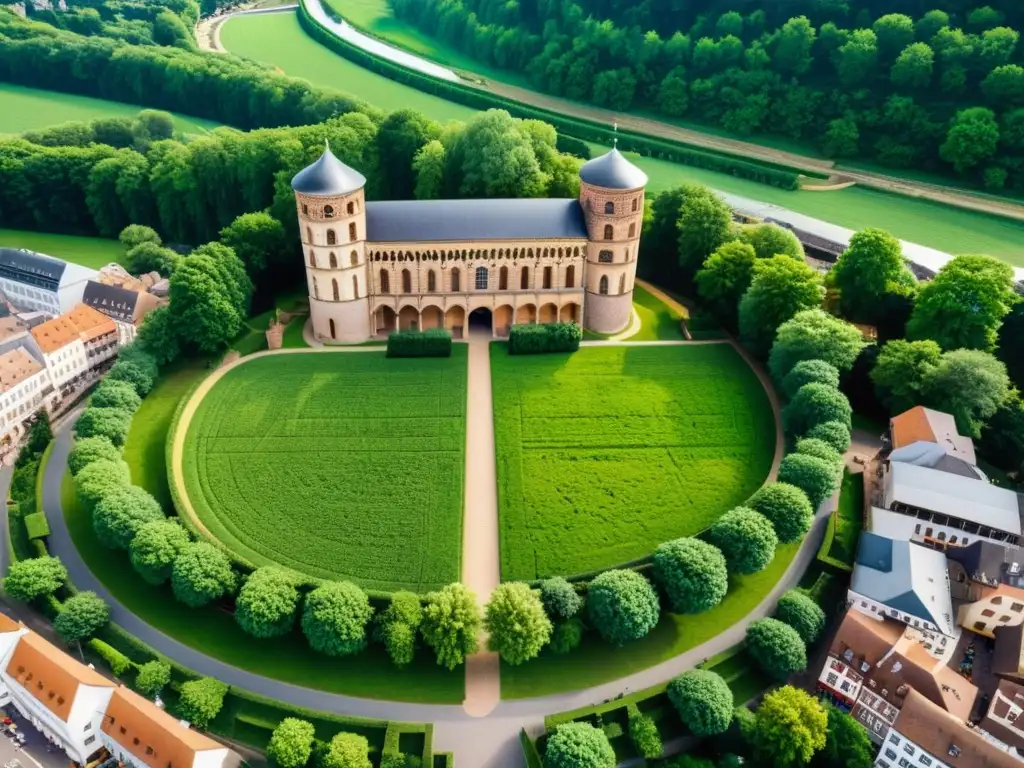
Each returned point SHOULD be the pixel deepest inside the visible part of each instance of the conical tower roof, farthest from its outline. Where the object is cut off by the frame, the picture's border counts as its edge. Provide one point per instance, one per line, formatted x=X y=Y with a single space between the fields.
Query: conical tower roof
x=612 y=171
x=328 y=177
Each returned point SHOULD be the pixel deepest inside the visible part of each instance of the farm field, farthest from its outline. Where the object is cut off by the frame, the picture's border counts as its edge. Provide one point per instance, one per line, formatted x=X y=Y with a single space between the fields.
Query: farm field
x=339 y=466
x=93 y=252
x=278 y=39
x=606 y=453
x=27 y=109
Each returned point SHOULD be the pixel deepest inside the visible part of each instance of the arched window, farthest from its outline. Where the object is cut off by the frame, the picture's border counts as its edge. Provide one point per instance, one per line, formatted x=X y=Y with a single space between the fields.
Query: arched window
x=547 y=278
x=602 y=287
x=334 y=261
x=609 y=207
x=328 y=211
x=636 y=202
x=332 y=238
x=312 y=260
x=354 y=258
x=385 y=283
x=503 y=279
x=608 y=234
x=406 y=281
x=622 y=284
x=305 y=209
x=316 y=289
x=334 y=334
x=309 y=235
x=481 y=278
x=632 y=229
x=334 y=286
x=355 y=287
x=431 y=281
x=524 y=278
x=352 y=232
x=455 y=280
x=351 y=208
x=605 y=257
x=570 y=276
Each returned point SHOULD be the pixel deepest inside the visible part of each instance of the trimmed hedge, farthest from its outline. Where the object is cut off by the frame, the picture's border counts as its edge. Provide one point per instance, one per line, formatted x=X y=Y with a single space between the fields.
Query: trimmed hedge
x=530 y=752
x=119 y=663
x=434 y=342
x=540 y=339
x=572 y=146
x=36 y=525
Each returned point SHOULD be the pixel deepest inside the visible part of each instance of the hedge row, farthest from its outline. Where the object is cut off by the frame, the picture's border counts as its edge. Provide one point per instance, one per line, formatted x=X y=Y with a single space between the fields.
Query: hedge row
x=434 y=342
x=676 y=151
x=543 y=338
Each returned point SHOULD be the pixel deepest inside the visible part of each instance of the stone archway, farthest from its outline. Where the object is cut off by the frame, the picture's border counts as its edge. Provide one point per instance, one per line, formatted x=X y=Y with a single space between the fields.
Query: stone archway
x=455 y=321
x=431 y=317
x=548 y=314
x=503 y=320
x=527 y=313
x=570 y=313
x=481 y=320
x=385 y=321
x=408 y=318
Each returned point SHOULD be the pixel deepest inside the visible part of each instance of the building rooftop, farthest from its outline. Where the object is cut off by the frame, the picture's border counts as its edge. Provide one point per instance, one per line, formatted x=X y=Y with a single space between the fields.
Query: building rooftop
x=612 y=171
x=1004 y=712
x=864 y=641
x=1008 y=657
x=16 y=366
x=15 y=260
x=932 y=455
x=54 y=334
x=989 y=562
x=91 y=323
x=961 y=497
x=920 y=423
x=945 y=736
x=150 y=734
x=12 y=326
x=905 y=576
x=112 y=300
x=327 y=177
x=909 y=663
x=50 y=675
x=407 y=221
x=81 y=322
x=7 y=624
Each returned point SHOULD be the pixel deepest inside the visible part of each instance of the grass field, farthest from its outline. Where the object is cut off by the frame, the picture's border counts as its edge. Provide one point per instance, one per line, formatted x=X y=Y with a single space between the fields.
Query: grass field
x=94 y=252
x=658 y=320
x=26 y=109
x=605 y=453
x=340 y=466
x=214 y=632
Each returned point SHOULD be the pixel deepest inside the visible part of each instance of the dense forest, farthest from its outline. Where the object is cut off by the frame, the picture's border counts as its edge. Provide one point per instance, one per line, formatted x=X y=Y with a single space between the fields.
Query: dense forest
x=934 y=85
x=168 y=22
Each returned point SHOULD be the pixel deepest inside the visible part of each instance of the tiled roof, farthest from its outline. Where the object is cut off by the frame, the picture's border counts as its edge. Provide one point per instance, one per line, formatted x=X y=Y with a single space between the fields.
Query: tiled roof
x=7 y=624
x=91 y=323
x=54 y=334
x=1003 y=719
x=16 y=366
x=932 y=426
x=81 y=322
x=50 y=675
x=328 y=176
x=150 y=734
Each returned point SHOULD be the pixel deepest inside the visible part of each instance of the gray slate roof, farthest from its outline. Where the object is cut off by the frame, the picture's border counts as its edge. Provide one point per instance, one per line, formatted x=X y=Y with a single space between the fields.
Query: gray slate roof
x=612 y=171
x=15 y=262
x=447 y=220
x=327 y=177
x=112 y=300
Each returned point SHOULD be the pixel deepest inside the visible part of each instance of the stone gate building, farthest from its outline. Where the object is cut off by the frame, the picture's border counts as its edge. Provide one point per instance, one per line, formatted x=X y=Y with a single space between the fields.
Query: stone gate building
x=372 y=268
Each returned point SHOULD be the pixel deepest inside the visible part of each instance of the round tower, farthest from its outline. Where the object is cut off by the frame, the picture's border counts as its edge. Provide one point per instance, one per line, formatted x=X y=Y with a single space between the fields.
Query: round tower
x=332 y=223
x=612 y=196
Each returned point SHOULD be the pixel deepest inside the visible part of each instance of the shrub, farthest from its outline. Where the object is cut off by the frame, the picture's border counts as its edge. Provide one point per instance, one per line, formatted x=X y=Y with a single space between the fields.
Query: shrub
x=516 y=622
x=398 y=624
x=566 y=636
x=334 y=618
x=815 y=477
x=347 y=750
x=112 y=393
x=815 y=404
x=405 y=607
x=119 y=663
x=643 y=732
x=201 y=573
x=451 y=621
x=810 y=372
x=578 y=745
x=776 y=647
x=560 y=598
x=622 y=606
x=121 y=512
x=154 y=549
x=111 y=423
x=801 y=613
x=746 y=538
x=835 y=433
x=36 y=525
x=811 y=446
x=693 y=574
x=814 y=334
x=29 y=579
x=400 y=643
x=97 y=479
x=83 y=616
x=291 y=744
x=201 y=700
x=434 y=342
x=90 y=449
x=548 y=337
x=267 y=603
x=703 y=700
x=786 y=507
x=152 y=678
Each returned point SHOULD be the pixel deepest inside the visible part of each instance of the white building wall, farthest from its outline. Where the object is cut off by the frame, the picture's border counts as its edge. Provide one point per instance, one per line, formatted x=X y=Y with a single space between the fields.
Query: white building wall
x=7 y=642
x=20 y=402
x=79 y=735
x=66 y=363
x=900 y=752
x=894 y=525
x=31 y=298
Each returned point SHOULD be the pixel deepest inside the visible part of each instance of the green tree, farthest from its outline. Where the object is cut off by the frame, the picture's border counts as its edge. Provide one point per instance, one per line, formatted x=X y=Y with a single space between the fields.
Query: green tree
x=692 y=573
x=560 y=598
x=230 y=271
x=494 y=157
x=746 y=538
x=969 y=384
x=1004 y=86
x=801 y=613
x=834 y=433
x=770 y=240
x=900 y=371
x=841 y=137
x=154 y=549
x=869 y=271
x=335 y=617
x=83 y=615
x=405 y=608
x=347 y=750
x=96 y=480
x=857 y=58
x=201 y=573
x=964 y=306
x=168 y=29
x=814 y=404
x=792 y=46
x=401 y=135
x=160 y=335
x=809 y=446
x=809 y=372
x=428 y=166
x=111 y=423
x=894 y=31
x=400 y=642
x=38 y=576
x=115 y=394
x=704 y=225
x=150 y=256
x=133 y=373
x=928 y=25
x=291 y=743
x=200 y=302
x=121 y=512
x=776 y=647
x=643 y=732
x=847 y=744
x=786 y=507
x=566 y=636
x=703 y=700
x=267 y=603
x=789 y=727
x=622 y=605
x=135 y=234
x=813 y=334
x=913 y=69
x=259 y=240
x=578 y=745
x=152 y=678
x=674 y=93
x=90 y=449
x=972 y=139
x=516 y=622
x=725 y=277
x=451 y=621
x=39 y=434
x=781 y=287
x=201 y=701
x=814 y=476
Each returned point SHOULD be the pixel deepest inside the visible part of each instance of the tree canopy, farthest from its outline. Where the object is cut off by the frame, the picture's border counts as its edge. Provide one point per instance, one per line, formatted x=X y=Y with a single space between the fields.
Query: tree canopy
x=800 y=612
x=776 y=647
x=120 y=514
x=335 y=617
x=83 y=615
x=789 y=727
x=813 y=334
x=154 y=549
x=516 y=622
x=578 y=745
x=560 y=598
x=35 y=577
x=692 y=573
x=622 y=605
x=703 y=700
x=200 y=574
x=267 y=603
x=746 y=538
x=201 y=700
x=291 y=743
x=786 y=507
x=451 y=620
x=781 y=287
